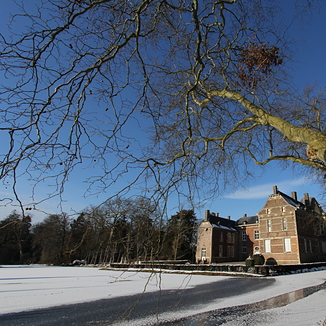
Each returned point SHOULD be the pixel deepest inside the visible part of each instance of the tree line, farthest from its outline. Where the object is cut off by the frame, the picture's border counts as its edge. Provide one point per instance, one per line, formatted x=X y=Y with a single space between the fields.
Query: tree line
x=120 y=230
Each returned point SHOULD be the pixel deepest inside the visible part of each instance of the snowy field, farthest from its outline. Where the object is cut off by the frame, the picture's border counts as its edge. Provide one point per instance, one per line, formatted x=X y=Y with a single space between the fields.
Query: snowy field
x=28 y=287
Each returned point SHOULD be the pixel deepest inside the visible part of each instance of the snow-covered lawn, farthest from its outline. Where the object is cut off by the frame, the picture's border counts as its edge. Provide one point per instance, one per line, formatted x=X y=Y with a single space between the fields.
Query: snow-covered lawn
x=29 y=287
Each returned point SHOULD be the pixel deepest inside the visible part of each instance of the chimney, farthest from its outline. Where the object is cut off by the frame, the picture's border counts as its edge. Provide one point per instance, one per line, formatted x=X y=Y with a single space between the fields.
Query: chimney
x=294 y=195
x=216 y=214
x=206 y=215
x=275 y=191
x=306 y=201
x=229 y=217
x=244 y=215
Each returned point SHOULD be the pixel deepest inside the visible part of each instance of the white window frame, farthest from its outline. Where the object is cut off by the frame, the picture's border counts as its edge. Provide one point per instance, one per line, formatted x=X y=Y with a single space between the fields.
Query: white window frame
x=287 y=245
x=203 y=253
x=284 y=224
x=267 y=245
x=256 y=234
x=269 y=225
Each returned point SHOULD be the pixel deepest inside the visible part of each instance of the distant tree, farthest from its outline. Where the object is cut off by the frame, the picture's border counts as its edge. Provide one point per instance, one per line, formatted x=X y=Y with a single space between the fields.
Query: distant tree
x=81 y=237
x=181 y=235
x=121 y=229
x=15 y=239
x=51 y=239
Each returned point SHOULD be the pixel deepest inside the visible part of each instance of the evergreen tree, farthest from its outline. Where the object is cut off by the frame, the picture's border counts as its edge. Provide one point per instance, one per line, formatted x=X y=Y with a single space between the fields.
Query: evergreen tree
x=50 y=239
x=181 y=236
x=15 y=239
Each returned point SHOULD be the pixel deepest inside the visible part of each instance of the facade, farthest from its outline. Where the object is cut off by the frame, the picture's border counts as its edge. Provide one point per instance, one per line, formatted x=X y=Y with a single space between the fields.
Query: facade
x=285 y=231
x=218 y=238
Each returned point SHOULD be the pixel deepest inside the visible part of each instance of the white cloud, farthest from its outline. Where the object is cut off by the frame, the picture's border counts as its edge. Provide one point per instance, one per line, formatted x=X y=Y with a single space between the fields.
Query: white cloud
x=264 y=190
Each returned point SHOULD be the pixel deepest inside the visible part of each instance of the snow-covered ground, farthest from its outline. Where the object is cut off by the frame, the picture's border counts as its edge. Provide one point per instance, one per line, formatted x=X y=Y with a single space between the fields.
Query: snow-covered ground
x=29 y=287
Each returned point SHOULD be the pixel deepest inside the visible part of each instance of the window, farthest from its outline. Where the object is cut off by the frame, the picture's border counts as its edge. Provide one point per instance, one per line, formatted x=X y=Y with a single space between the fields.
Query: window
x=256 y=234
x=305 y=245
x=268 y=246
x=283 y=209
x=230 y=237
x=284 y=226
x=268 y=210
x=220 y=250
x=203 y=253
x=310 y=246
x=244 y=235
x=287 y=245
x=244 y=249
x=323 y=246
x=230 y=251
x=269 y=225
x=221 y=237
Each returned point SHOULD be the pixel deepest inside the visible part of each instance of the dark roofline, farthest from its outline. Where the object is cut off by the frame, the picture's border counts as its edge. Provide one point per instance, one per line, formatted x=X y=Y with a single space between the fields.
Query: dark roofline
x=247 y=220
x=308 y=203
x=218 y=220
x=292 y=200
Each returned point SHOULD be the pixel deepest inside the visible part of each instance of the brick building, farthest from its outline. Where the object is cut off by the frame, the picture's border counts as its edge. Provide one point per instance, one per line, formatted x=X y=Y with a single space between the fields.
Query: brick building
x=285 y=231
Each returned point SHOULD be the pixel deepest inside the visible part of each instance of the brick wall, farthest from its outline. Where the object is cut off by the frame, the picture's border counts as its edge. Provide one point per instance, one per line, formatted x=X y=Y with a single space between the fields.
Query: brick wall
x=247 y=243
x=277 y=229
x=204 y=240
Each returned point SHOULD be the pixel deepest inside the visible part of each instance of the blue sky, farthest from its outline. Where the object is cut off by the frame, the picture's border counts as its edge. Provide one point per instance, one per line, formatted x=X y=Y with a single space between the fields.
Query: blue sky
x=308 y=68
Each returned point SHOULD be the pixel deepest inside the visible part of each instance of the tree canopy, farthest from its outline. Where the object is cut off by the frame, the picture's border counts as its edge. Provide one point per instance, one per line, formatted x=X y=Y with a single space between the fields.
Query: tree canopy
x=120 y=230
x=171 y=91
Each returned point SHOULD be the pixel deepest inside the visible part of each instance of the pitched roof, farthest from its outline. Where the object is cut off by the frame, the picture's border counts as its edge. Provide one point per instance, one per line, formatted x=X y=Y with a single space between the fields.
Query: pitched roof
x=247 y=220
x=221 y=222
x=291 y=201
x=307 y=203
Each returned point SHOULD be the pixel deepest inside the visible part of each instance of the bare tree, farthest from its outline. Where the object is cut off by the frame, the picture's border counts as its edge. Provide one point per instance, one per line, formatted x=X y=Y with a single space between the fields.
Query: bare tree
x=171 y=91
x=121 y=229
x=51 y=239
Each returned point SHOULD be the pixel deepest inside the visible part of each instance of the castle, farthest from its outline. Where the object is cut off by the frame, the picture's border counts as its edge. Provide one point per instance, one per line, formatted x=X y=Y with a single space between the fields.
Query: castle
x=285 y=231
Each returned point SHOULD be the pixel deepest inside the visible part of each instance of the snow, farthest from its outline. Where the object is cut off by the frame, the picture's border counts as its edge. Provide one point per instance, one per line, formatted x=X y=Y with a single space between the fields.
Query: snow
x=29 y=287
